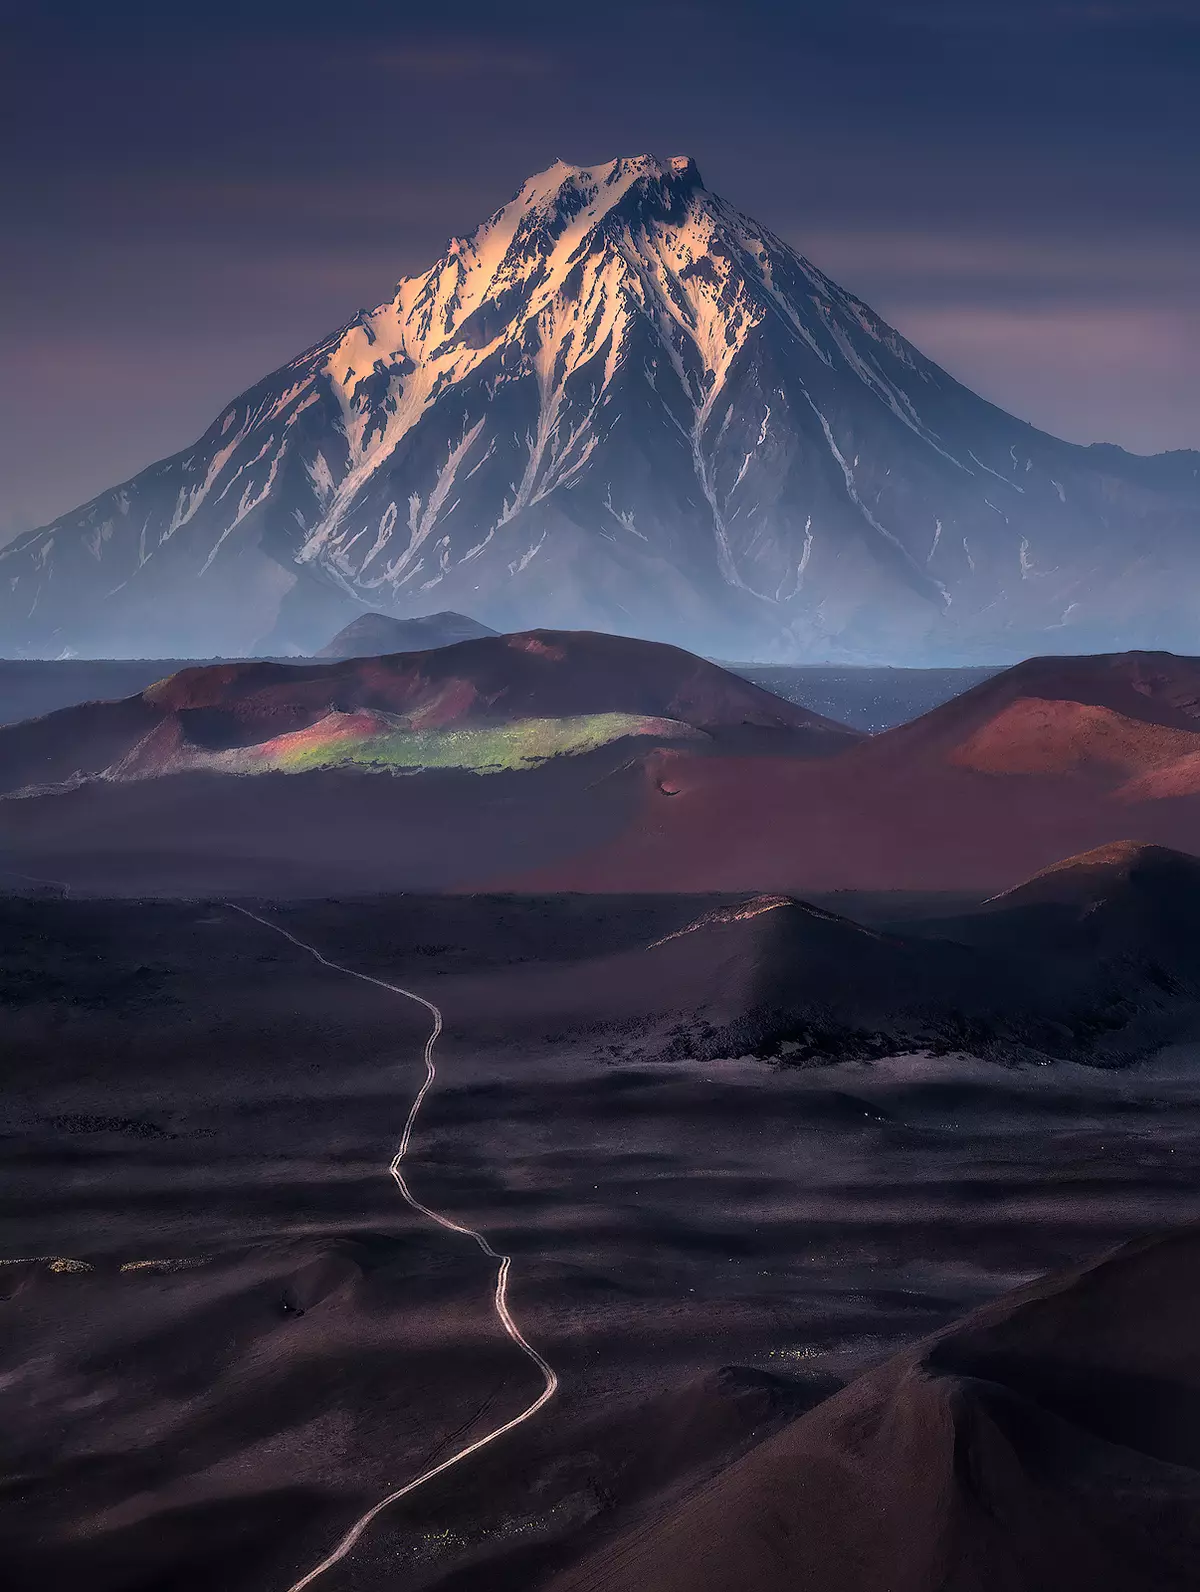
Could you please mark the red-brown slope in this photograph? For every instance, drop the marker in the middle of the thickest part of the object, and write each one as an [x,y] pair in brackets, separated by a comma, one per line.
[1050,1440]
[1056,714]
[1156,688]
[736,823]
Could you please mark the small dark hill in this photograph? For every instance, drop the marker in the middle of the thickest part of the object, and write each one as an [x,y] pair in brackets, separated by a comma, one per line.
[1110,873]
[773,973]
[374,635]
[1106,943]
[772,976]
[1111,876]
[1126,903]
[1048,1441]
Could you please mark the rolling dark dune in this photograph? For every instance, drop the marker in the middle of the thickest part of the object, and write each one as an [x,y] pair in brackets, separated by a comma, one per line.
[1048,1441]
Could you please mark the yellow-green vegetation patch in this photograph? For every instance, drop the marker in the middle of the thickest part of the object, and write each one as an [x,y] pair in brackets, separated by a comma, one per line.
[485,749]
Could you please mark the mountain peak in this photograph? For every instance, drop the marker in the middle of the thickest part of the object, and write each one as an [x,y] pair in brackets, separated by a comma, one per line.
[663,167]
[620,403]
[591,192]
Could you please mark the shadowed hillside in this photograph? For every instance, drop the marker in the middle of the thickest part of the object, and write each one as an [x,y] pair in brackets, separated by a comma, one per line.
[1048,1441]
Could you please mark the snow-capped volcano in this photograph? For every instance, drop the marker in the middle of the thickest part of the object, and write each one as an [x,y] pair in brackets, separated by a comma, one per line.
[622,404]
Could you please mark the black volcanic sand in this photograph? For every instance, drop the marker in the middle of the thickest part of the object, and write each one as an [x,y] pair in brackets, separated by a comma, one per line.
[265,1338]
[1048,1441]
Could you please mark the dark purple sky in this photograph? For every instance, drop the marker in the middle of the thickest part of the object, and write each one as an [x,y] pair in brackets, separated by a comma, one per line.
[193,193]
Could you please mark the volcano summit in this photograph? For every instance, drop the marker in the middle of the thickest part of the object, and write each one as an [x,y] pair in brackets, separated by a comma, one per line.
[622,404]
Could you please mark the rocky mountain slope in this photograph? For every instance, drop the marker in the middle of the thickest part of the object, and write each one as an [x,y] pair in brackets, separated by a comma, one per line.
[622,404]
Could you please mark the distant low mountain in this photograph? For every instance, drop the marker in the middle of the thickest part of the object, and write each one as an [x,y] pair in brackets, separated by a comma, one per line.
[375,635]
[620,403]
[1047,1440]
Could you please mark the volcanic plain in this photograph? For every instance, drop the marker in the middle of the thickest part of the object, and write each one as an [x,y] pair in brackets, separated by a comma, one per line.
[227,1336]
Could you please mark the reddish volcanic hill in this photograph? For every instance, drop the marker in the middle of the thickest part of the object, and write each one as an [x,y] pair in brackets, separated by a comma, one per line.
[1048,1441]
[532,674]
[1110,715]
[493,679]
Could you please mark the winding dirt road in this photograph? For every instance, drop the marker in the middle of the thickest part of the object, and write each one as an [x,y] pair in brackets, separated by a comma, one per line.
[500,1298]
